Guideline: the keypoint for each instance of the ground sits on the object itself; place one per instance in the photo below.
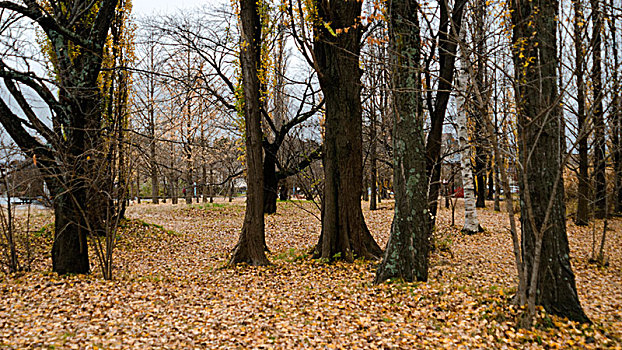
(171, 289)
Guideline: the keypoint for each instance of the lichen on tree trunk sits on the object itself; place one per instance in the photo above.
(407, 251)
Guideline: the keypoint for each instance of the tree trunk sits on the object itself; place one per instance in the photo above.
(583, 190)
(189, 184)
(379, 187)
(211, 185)
(344, 232)
(231, 189)
(616, 113)
(491, 180)
(271, 183)
(481, 152)
(471, 223)
(447, 47)
(284, 192)
(497, 187)
(173, 190)
(600, 185)
(204, 186)
(138, 188)
(365, 189)
(551, 282)
(251, 244)
(407, 251)
(372, 158)
(155, 188)
(70, 250)
(166, 192)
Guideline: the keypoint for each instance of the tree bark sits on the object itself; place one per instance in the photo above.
(344, 232)
(372, 159)
(447, 47)
(70, 250)
(600, 184)
(204, 186)
(471, 223)
(251, 244)
(551, 282)
(616, 113)
(407, 251)
(271, 182)
(481, 152)
(583, 190)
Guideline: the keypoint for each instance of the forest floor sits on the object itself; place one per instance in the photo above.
(171, 289)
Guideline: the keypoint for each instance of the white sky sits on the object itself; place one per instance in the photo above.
(148, 7)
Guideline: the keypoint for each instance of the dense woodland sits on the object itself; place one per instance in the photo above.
(430, 155)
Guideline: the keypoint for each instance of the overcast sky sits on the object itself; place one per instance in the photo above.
(147, 7)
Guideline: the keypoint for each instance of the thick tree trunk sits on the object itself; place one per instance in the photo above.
(344, 233)
(600, 184)
(550, 280)
(406, 256)
(583, 189)
(251, 244)
(70, 249)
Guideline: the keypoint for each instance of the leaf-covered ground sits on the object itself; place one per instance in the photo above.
(171, 290)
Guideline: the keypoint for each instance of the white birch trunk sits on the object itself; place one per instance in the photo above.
(471, 224)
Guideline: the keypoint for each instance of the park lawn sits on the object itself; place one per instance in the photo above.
(171, 289)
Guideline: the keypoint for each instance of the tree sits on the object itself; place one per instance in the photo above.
(616, 114)
(407, 251)
(437, 106)
(550, 280)
(481, 143)
(250, 246)
(70, 157)
(582, 216)
(600, 184)
(209, 36)
(471, 223)
(338, 30)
